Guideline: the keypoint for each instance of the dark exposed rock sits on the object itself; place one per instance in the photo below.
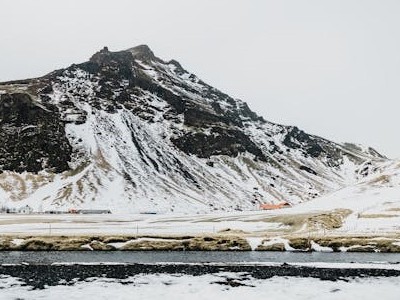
(199, 118)
(220, 142)
(32, 137)
(299, 139)
(307, 169)
(142, 52)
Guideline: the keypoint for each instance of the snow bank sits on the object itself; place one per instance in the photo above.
(219, 287)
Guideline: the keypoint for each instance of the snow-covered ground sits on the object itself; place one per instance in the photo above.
(172, 224)
(212, 286)
(374, 211)
(374, 203)
(372, 208)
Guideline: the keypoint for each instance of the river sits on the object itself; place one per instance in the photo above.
(33, 257)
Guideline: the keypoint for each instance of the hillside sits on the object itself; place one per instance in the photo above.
(130, 132)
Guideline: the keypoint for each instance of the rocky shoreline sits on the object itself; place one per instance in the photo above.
(40, 276)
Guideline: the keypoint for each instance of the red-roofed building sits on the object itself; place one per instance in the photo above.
(266, 206)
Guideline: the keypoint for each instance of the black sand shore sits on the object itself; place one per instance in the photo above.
(41, 275)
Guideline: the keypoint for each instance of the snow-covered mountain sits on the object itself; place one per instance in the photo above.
(130, 132)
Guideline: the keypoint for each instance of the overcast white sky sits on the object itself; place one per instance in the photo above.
(330, 67)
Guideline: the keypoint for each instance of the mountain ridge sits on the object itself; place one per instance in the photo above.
(129, 131)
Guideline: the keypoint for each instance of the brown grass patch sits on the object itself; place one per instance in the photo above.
(383, 179)
(101, 162)
(273, 247)
(314, 221)
(330, 220)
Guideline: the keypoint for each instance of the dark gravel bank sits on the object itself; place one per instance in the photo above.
(39, 276)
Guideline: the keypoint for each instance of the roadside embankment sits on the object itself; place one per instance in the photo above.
(210, 242)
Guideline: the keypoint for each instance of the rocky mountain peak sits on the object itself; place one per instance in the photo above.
(128, 121)
(142, 52)
(105, 57)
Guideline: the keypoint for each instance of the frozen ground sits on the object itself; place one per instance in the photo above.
(134, 224)
(371, 207)
(213, 286)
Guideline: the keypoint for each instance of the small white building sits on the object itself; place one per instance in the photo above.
(25, 210)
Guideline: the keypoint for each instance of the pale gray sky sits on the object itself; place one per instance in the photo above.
(331, 67)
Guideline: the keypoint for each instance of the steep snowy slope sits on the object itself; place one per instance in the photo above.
(374, 203)
(130, 132)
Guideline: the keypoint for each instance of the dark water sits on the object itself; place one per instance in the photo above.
(16, 257)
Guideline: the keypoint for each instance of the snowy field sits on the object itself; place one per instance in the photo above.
(132, 224)
(213, 286)
(369, 210)
(375, 221)
(371, 207)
